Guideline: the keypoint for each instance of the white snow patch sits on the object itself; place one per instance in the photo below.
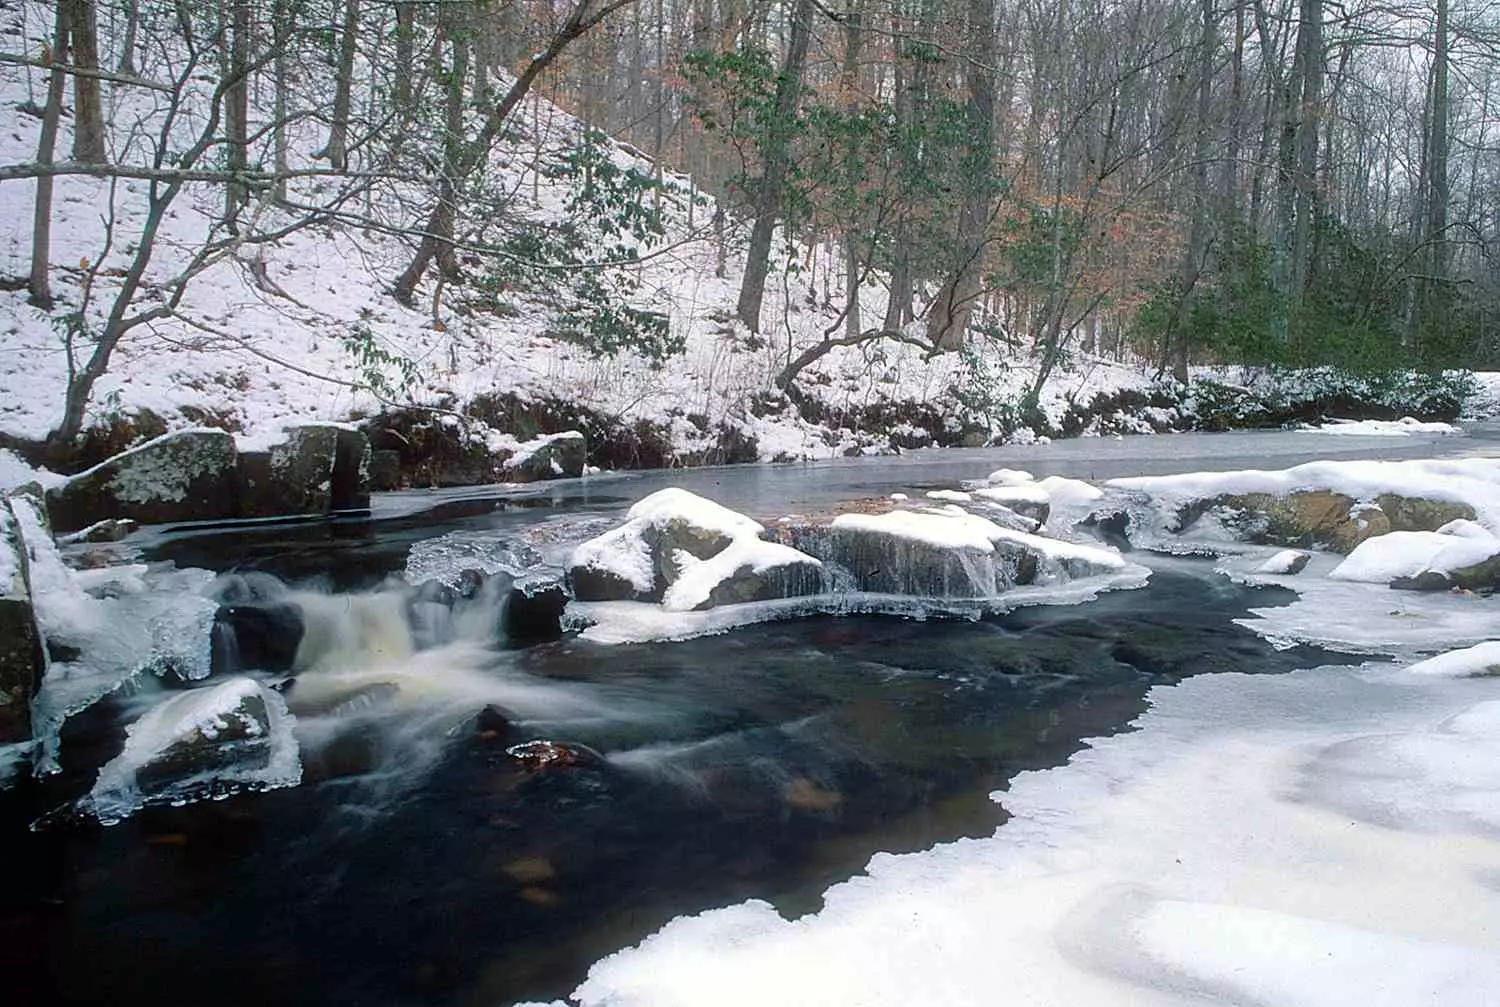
(1480, 659)
(1282, 563)
(1384, 558)
(1404, 427)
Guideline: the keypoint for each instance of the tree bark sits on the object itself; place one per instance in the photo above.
(88, 108)
(336, 149)
(775, 166)
(237, 111)
(948, 318)
(39, 284)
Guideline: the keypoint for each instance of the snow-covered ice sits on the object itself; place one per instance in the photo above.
(1404, 427)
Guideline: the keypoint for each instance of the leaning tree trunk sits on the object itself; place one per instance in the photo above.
(776, 163)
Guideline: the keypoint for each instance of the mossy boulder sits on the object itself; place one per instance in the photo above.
(1321, 518)
(186, 476)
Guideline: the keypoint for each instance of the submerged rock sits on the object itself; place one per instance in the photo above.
(545, 755)
(186, 476)
(202, 743)
(256, 635)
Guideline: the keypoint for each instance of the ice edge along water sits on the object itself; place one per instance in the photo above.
(1322, 838)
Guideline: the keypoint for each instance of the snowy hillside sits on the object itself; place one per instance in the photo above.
(265, 333)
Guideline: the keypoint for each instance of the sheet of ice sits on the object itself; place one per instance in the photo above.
(1267, 957)
(248, 722)
(699, 577)
(949, 496)
(1480, 659)
(1360, 618)
(1203, 858)
(1382, 559)
(1404, 427)
(619, 622)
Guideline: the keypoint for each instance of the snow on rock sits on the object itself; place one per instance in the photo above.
(1335, 504)
(23, 658)
(550, 456)
(672, 549)
(1480, 659)
(184, 476)
(207, 742)
(1009, 477)
(1404, 427)
(1401, 555)
(744, 571)
(1285, 563)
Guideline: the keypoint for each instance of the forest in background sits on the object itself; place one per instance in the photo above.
(1287, 182)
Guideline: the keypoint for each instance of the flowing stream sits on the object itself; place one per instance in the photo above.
(421, 862)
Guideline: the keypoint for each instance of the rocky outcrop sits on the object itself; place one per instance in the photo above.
(293, 475)
(1320, 518)
(186, 476)
(22, 649)
(551, 456)
(199, 475)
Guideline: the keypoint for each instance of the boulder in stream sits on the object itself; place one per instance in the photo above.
(185, 476)
(202, 743)
(550, 456)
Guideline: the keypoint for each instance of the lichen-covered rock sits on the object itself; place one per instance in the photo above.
(1320, 518)
(551, 456)
(292, 476)
(186, 476)
(353, 460)
(22, 649)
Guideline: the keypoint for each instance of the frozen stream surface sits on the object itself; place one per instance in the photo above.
(1202, 791)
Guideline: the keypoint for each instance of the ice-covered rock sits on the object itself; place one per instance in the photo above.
(23, 657)
(184, 476)
(202, 743)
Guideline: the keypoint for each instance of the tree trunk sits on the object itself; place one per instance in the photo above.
(775, 165)
(438, 236)
(1194, 251)
(39, 285)
(336, 150)
(281, 33)
(406, 29)
(132, 29)
(237, 110)
(948, 318)
(88, 109)
(1432, 284)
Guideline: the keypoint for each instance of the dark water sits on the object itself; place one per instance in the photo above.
(418, 863)
(431, 868)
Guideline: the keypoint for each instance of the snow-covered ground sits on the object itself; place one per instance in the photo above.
(1327, 837)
